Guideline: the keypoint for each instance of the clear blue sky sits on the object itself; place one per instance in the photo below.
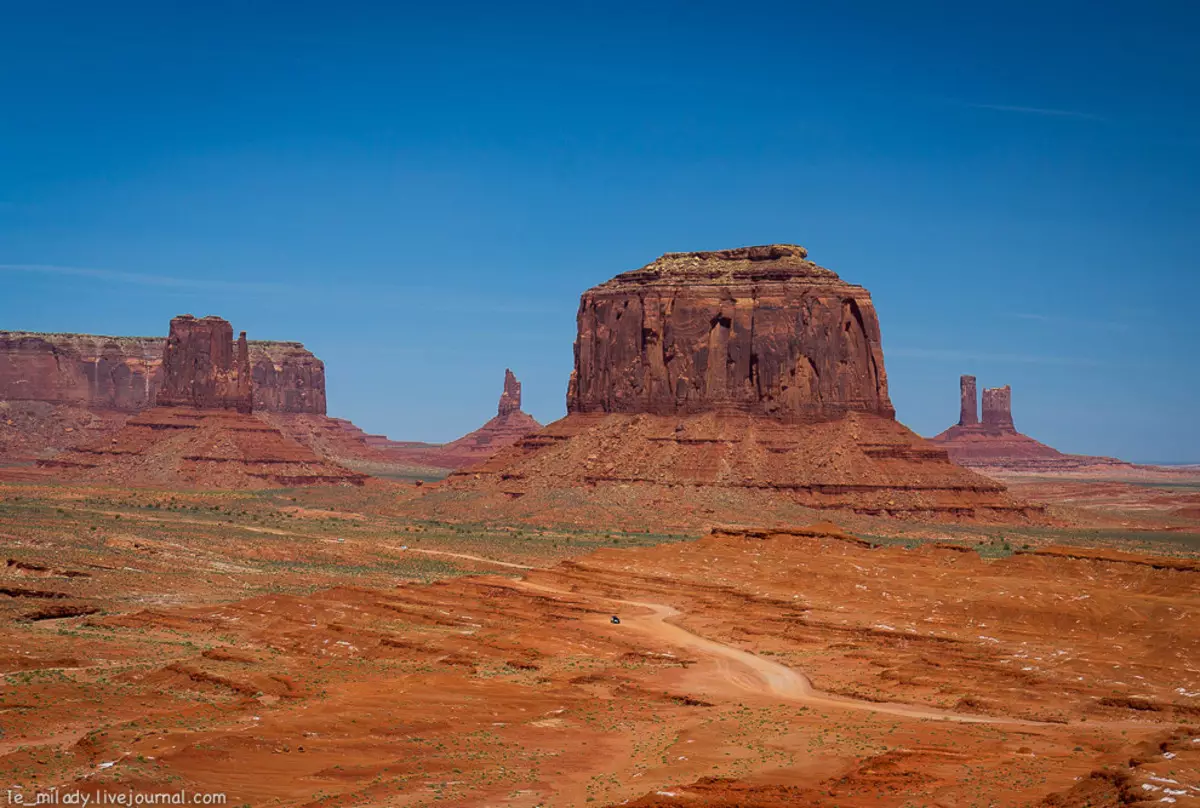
(419, 193)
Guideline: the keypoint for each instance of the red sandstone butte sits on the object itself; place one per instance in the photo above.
(757, 330)
(201, 432)
(204, 368)
(123, 374)
(997, 408)
(740, 383)
(994, 445)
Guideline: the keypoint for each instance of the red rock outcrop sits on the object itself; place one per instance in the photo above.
(341, 441)
(123, 374)
(287, 378)
(969, 406)
(510, 425)
(108, 373)
(202, 432)
(58, 391)
(740, 383)
(994, 445)
(202, 448)
(204, 368)
(510, 399)
(757, 330)
(997, 408)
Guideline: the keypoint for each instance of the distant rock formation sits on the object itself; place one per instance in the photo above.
(993, 444)
(107, 373)
(969, 410)
(204, 368)
(287, 378)
(201, 432)
(510, 425)
(997, 408)
(749, 379)
(123, 374)
(510, 399)
(757, 330)
(58, 391)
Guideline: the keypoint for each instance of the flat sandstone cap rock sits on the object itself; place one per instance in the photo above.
(768, 262)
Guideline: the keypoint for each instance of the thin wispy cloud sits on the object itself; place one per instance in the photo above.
(138, 279)
(950, 354)
(1043, 111)
(1054, 319)
(333, 294)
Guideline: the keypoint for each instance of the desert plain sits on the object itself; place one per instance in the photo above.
(318, 646)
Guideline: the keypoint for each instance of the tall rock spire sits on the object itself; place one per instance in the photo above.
(969, 409)
(510, 399)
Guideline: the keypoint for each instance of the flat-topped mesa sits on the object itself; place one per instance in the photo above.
(124, 373)
(108, 373)
(969, 405)
(203, 368)
(757, 330)
(510, 399)
(997, 408)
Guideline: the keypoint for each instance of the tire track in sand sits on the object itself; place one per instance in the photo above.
(760, 675)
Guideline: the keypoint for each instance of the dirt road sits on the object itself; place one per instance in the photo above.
(757, 674)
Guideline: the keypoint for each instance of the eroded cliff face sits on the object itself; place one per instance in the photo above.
(287, 378)
(201, 431)
(752, 378)
(124, 374)
(203, 367)
(997, 408)
(112, 373)
(756, 330)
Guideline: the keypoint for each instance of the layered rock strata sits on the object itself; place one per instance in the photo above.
(202, 448)
(124, 374)
(756, 330)
(202, 432)
(750, 377)
(203, 367)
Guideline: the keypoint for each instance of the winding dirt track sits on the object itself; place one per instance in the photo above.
(742, 669)
(755, 674)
